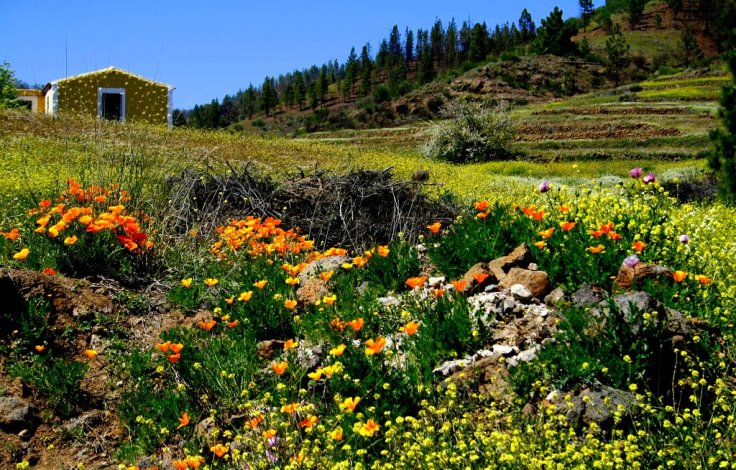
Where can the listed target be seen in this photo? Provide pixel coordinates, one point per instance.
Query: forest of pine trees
(402, 62)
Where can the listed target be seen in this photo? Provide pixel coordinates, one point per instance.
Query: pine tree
(691, 52)
(723, 158)
(409, 46)
(300, 89)
(249, 102)
(527, 28)
(366, 71)
(269, 96)
(617, 52)
(451, 40)
(437, 41)
(465, 37)
(635, 9)
(323, 85)
(555, 35)
(478, 43)
(586, 11)
(396, 55)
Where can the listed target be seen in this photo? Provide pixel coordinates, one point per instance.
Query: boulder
(15, 413)
(555, 297)
(521, 293)
(267, 349)
(471, 284)
(311, 290)
(627, 276)
(588, 296)
(521, 257)
(329, 263)
(537, 282)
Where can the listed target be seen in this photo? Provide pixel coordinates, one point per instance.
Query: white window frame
(170, 108)
(52, 99)
(33, 100)
(119, 91)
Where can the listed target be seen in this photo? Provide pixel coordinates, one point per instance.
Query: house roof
(108, 69)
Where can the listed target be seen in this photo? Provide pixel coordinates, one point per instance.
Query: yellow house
(113, 94)
(32, 99)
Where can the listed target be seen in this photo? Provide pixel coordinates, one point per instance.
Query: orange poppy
(245, 296)
(567, 226)
(40, 348)
(356, 324)
(291, 408)
(596, 233)
(481, 205)
(70, 240)
(292, 281)
(219, 450)
(369, 428)
(329, 299)
(290, 344)
(279, 367)
(176, 347)
(383, 251)
(184, 420)
(596, 249)
(337, 351)
(308, 422)
(434, 228)
(614, 236)
(607, 227)
(546, 233)
(415, 282)
(704, 280)
(207, 326)
(12, 235)
(410, 328)
(638, 246)
(325, 276)
(260, 284)
(22, 254)
(438, 293)
(233, 323)
(337, 434)
(480, 277)
(564, 208)
(90, 353)
(230, 300)
(459, 285)
(164, 347)
(290, 304)
(173, 358)
(679, 276)
(374, 346)
(49, 271)
(180, 464)
(254, 422)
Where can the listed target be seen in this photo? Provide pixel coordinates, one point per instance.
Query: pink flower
(636, 172)
(684, 238)
(544, 186)
(650, 178)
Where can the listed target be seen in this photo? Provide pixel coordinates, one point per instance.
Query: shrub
(470, 133)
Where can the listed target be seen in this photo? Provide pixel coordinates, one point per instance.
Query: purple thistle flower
(631, 261)
(684, 238)
(544, 186)
(650, 178)
(636, 172)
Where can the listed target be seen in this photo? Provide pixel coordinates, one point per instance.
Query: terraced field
(667, 118)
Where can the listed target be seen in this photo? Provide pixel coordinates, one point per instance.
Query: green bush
(471, 133)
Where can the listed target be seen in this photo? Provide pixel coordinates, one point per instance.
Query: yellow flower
(70, 240)
(245, 296)
(187, 283)
(369, 429)
(22, 254)
(349, 404)
(338, 350)
(212, 282)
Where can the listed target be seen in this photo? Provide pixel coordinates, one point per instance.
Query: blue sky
(207, 49)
